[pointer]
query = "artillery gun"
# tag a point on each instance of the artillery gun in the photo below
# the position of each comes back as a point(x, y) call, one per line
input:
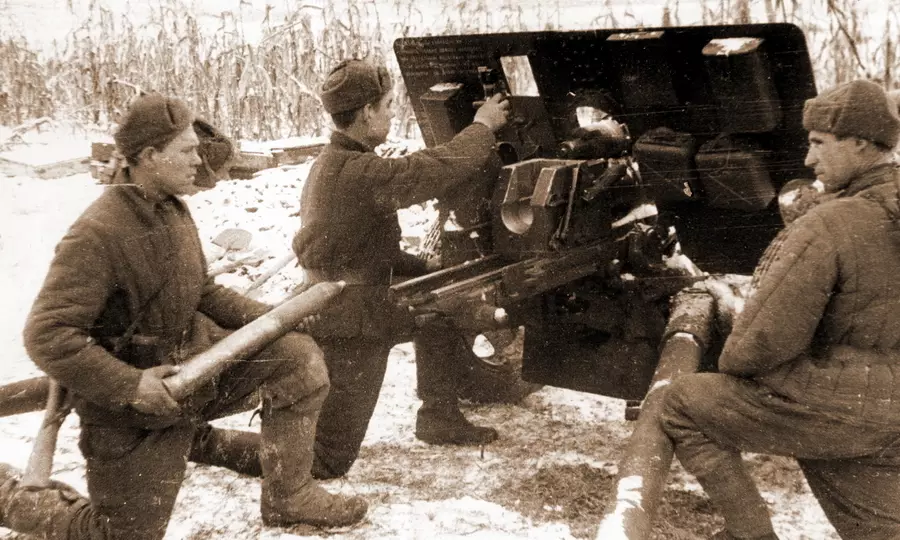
point(626, 150)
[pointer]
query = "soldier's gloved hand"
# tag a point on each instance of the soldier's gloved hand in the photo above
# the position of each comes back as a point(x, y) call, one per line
point(151, 396)
point(494, 113)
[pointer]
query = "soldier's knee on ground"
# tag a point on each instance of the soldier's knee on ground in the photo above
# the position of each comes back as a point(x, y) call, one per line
point(303, 373)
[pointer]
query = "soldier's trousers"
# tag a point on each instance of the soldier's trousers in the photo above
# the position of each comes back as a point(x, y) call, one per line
point(852, 466)
point(356, 368)
point(134, 474)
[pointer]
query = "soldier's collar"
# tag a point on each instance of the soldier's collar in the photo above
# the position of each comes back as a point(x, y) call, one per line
point(875, 176)
point(341, 139)
point(145, 207)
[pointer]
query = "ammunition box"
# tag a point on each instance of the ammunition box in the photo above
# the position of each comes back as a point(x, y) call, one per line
point(448, 110)
point(743, 86)
point(666, 161)
point(734, 173)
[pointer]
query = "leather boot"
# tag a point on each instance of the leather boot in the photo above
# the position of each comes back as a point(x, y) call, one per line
point(289, 493)
point(233, 449)
point(438, 423)
point(57, 512)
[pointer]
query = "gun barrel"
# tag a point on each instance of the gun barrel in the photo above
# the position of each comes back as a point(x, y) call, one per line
point(250, 339)
point(648, 455)
point(416, 289)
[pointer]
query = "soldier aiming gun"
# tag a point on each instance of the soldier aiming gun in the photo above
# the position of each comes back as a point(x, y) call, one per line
point(350, 232)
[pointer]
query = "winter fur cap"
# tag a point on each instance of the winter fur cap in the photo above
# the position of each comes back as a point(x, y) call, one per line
point(855, 109)
point(151, 120)
point(354, 84)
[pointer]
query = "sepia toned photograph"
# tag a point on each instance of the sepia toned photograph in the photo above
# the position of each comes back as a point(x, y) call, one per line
point(450, 269)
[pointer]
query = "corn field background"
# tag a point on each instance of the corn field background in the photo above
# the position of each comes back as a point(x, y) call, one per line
point(253, 69)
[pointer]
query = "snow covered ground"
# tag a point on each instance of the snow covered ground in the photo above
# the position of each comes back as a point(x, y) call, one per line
point(548, 477)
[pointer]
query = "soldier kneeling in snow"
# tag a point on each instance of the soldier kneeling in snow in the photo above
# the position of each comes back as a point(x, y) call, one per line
point(808, 370)
point(125, 300)
point(350, 232)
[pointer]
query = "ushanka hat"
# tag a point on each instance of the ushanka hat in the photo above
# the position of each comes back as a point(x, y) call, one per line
point(855, 109)
point(353, 84)
point(155, 120)
point(151, 120)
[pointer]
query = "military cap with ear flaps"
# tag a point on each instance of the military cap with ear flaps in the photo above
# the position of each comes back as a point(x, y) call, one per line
point(353, 84)
point(855, 109)
point(155, 120)
point(216, 150)
point(151, 120)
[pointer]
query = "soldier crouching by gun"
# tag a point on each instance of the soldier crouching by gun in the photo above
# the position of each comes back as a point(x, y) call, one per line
point(350, 232)
point(125, 301)
point(807, 371)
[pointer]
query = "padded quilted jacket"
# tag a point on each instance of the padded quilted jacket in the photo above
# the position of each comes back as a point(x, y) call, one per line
point(822, 326)
point(125, 258)
point(349, 228)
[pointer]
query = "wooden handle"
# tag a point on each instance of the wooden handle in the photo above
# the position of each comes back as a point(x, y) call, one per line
point(267, 275)
point(24, 396)
point(40, 462)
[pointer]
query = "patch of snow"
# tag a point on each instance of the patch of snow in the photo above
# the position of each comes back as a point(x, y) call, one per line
point(729, 46)
point(34, 216)
point(418, 218)
point(572, 406)
point(467, 518)
point(628, 499)
point(51, 142)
